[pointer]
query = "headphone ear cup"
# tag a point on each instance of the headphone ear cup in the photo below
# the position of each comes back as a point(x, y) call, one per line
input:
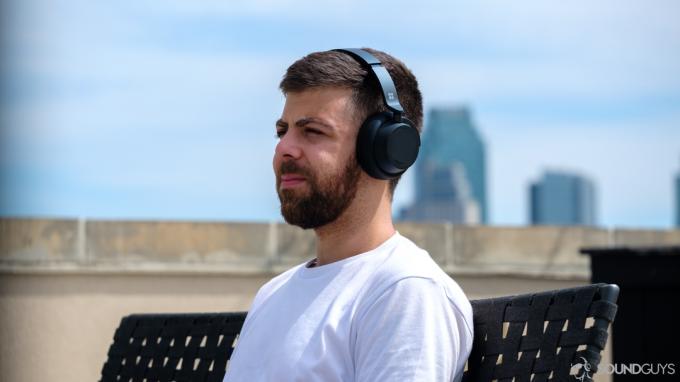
point(365, 145)
point(387, 148)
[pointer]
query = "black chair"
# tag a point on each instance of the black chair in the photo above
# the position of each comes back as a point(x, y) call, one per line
point(547, 336)
point(529, 337)
point(184, 347)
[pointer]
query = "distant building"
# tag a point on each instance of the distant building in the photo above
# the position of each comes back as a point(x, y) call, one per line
point(447, 199)
point(561, 198)
point(450, 171)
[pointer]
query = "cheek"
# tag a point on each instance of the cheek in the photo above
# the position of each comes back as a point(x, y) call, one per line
point(332, 165)
point(326, 163)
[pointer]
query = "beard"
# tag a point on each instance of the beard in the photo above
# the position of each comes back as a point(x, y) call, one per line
point(328, 197)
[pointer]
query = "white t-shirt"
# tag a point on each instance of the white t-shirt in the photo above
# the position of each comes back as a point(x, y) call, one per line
point(389, 314)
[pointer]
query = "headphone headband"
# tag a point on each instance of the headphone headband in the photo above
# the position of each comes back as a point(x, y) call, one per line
point(387, 142)
point(389, 91)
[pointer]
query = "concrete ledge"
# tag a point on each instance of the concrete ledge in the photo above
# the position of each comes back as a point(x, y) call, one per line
point(198, 270)
point(33, 240)
point(631, 237)
point(176, 247)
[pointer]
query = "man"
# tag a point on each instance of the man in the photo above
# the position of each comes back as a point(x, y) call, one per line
point(371, 306)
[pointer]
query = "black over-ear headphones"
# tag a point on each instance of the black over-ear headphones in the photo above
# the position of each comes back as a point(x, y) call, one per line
point(388, 143)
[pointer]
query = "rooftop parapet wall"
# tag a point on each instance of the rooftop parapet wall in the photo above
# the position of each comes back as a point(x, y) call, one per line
point(62, 245)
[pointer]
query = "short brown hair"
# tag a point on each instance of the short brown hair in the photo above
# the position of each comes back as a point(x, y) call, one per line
point(332, 68)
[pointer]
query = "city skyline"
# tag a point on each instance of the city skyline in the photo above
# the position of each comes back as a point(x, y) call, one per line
point(450, 171)
point(562, 198)
point(141, 110)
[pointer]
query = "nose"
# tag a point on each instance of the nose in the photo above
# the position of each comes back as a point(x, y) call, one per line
point(288, 147)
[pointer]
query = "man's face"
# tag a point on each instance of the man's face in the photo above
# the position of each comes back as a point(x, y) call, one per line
point(314, 162)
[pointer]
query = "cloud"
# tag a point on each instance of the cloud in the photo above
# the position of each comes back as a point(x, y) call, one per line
point(632, 165)
point(140, 96)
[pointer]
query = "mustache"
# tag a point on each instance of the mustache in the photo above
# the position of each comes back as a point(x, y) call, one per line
point(292, 168)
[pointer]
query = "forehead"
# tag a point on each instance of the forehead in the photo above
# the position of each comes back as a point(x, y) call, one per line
point(331, 104)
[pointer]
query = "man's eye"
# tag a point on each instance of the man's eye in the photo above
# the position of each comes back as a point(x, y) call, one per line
point(313, 131)
point(280, 133)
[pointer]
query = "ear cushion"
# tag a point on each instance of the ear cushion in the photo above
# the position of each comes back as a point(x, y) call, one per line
point(386, 148)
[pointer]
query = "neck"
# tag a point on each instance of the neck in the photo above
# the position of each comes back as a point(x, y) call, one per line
point(365, 225)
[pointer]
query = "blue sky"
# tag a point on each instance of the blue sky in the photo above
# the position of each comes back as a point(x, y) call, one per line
point(166, 110)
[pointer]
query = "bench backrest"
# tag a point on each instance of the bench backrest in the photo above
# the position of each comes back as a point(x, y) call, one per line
point(547, 336)
point(535, 337)
point(191, 347)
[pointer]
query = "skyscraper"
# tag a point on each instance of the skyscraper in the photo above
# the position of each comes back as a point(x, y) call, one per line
point(562, 198)
point(450, 171)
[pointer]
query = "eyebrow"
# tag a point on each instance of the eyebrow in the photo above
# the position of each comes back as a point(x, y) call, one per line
point(302, 122)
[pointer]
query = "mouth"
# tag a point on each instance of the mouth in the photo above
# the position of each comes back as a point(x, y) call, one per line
point(291, 180)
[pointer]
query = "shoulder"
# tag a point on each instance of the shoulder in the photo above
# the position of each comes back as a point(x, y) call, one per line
point(413, 306)
point(407, 261)
point(411, 272)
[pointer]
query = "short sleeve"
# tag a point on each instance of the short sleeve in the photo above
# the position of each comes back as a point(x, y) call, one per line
point(410, 332)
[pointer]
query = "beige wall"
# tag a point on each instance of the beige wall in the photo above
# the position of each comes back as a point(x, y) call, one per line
point(58, 327)
point(64, 323)
point(64, 284)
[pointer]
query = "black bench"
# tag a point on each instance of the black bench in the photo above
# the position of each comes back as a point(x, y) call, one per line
point(545, 336)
